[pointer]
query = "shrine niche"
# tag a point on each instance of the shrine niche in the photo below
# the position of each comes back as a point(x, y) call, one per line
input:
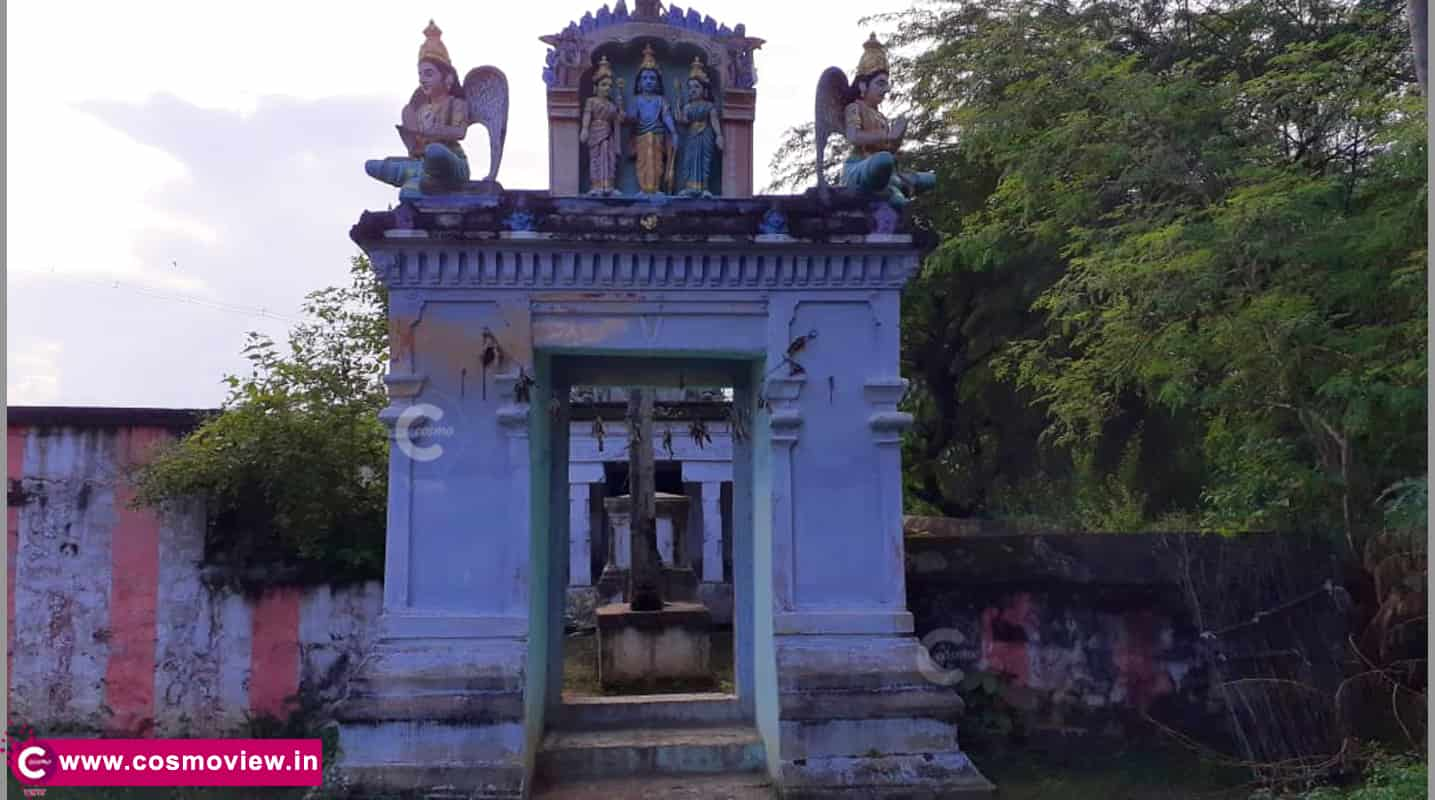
point(683, 130)
point(647, 264)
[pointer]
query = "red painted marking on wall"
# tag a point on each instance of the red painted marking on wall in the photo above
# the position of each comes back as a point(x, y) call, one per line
point(134, 595)
point(1003, 652)
point(1135, 659)
point(274, 653)
point(14, 470)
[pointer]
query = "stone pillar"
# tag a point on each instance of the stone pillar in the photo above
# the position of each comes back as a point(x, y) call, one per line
point(613, 583)
point(738, 110)
point(645, 579)
point(564, 119)
point(580, 538)
point(451, 646)
point(710, 476)
point(712, 531)
point(620, 542)
point(672, 510)
point(665, 541)
point(854, 700)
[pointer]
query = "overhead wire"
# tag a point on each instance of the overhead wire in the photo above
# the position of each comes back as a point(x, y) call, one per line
point(216, 305)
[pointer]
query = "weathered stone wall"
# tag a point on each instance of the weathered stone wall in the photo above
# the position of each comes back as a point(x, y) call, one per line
point(115, 625)
point(1090, 633)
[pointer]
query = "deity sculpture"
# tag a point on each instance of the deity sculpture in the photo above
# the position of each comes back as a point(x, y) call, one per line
point(437, 117)
point(655, 137)
point(602, 116)
point(704, 135)
point(853, 110)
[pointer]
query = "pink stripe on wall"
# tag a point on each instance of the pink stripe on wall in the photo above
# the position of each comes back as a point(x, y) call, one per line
point(134, 593)
point(274, 652)
point(14, 466)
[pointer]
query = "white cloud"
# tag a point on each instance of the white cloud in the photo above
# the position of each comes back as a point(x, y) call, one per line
point(215, 152)
point(33, 373)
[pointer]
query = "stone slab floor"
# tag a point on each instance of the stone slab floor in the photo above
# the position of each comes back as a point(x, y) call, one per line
point(675, 787)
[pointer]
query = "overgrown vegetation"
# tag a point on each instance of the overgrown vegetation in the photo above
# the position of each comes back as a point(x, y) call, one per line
point(1181, 279)
point(1181, 285)
point(294, 468)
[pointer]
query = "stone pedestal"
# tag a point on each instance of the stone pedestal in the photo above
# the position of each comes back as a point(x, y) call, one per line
point(859, 720)
point(436, 709)
point(652, 648)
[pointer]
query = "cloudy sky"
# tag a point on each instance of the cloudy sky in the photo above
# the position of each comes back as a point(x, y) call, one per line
point(184, 172)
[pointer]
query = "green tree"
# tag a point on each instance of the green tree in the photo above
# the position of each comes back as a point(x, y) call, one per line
point(1181, 263)
point(293, 469)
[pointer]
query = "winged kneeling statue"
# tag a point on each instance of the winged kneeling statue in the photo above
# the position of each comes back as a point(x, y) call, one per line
point(852, 111)
point(437, 117)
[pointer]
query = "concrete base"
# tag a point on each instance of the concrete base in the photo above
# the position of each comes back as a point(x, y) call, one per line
point(718, 598)
point(680, 585)
point(436, 712)
point(583, 601)
point(646, 648)
point(857, 719)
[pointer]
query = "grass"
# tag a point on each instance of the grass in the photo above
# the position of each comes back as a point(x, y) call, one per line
point(1088, 772)
point(15, 791)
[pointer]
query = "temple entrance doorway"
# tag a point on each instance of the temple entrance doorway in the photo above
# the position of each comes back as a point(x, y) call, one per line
point(683, 673)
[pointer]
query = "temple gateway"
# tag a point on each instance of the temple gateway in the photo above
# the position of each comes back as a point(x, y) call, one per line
point(645, 430)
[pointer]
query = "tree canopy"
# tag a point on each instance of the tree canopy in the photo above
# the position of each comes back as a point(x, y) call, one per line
point(1182, 264)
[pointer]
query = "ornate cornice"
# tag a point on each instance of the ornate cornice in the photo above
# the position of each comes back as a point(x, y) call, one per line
point(839, 216)
point(547, 264)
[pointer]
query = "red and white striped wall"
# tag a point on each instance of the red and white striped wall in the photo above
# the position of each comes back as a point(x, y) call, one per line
point(111, 626)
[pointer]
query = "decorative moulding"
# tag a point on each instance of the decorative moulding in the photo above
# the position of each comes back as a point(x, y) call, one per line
point(542, 262)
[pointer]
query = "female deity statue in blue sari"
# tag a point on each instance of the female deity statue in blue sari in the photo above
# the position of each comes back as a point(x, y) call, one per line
point(704, 133)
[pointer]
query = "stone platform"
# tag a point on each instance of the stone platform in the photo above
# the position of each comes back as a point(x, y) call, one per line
point(637, 648)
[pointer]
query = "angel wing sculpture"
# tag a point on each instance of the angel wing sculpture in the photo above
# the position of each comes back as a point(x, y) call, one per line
point(486, 88)
point(852, 109)
point(832, 91)
point(437, 117)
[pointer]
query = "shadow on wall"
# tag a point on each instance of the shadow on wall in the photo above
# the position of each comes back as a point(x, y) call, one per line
point(1077, 634)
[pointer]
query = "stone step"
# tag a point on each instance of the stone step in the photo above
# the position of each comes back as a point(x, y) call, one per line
point(671, 710)
point(573, 757)
point(727, 786)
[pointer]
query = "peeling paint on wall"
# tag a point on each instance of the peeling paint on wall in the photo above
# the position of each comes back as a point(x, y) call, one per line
point(117, 630)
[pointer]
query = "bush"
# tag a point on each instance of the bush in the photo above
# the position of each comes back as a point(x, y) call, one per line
point(293, 469)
